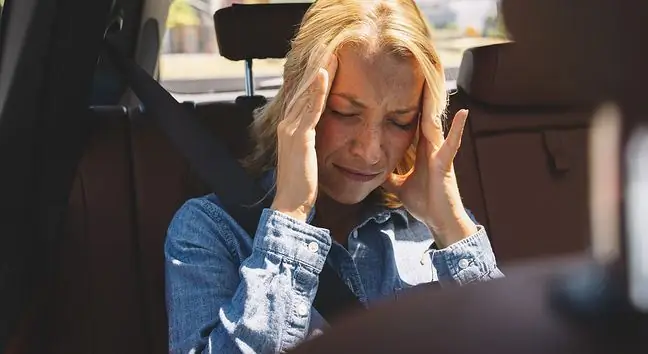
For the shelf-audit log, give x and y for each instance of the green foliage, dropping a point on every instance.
(495, 27)
(181, 14)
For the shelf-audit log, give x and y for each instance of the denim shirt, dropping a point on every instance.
(227, 292)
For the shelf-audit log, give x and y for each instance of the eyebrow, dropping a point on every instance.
(351, 98)
(354, 101)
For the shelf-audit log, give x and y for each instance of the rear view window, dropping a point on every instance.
(190, 62)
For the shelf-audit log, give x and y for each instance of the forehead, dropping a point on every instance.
(378, 78)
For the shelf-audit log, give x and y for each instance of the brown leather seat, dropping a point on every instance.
(522, 167)
(108, 293)
(94, 305)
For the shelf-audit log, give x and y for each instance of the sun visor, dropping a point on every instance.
(257, 31)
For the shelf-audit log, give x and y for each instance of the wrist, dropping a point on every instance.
(299, 212)
(454, 230)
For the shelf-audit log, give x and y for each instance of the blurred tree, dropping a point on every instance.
(494, 26)
(500, 28)
(181, 14)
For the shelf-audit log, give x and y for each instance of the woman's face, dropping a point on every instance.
(370, 120)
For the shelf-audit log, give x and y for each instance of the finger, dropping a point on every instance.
(304, 106)
(308, 108)
(451, 145)
(293, 113)
(315, 102)
(431, 125)
(327, 76)
(331, 69)
(297, 106)
(422, 150)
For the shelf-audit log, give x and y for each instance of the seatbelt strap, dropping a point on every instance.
(213, 163)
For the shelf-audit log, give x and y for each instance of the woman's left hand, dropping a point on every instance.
(429, 191)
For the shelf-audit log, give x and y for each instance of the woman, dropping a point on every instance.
(363, 175)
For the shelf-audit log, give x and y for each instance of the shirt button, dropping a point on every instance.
(463, 264)
(313, 247)
(302, 310)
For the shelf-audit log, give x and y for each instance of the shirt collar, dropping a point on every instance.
(379, 213)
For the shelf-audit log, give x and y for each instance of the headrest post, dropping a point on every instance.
(249, 78)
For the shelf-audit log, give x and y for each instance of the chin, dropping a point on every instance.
(346, 196)
(348, 199)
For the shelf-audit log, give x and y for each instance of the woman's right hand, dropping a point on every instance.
(296, 158)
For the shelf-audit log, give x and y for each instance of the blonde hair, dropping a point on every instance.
(392, 26)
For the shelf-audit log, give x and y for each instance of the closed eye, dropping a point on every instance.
(404, 126)
(341, 114)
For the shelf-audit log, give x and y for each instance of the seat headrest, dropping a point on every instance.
(257, 31)
(500, 75)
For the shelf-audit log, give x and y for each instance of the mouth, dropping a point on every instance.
(355, 175)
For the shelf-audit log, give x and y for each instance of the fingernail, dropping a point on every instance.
(324, 73)
(332, 59)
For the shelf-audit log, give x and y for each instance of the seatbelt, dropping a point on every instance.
(213, 163)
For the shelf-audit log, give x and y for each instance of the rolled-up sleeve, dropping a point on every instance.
(300, 242)
(466, 261)
(219, 304)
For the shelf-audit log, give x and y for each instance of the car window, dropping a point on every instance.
(191, 65)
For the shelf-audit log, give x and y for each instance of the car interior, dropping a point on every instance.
(99, 180)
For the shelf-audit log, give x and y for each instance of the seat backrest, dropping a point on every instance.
(522, 167)
(93, 304)
(163, 181)
(108, 292)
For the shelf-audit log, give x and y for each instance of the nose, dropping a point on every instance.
(367, 144)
